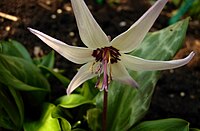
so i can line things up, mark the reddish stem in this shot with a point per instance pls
(105, 100)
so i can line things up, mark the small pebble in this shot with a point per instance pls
(48, 2)
(37, 51)
(68, 8)
(8, 28)
(122, 23)
(71, 34)
(59, 11)
(182, 94)
(53, 16)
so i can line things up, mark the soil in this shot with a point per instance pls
(177, 93)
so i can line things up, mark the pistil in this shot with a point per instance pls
(105, 76)
(106, 56)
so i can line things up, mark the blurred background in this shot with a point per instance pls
(177, 92)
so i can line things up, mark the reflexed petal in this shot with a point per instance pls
(139, 64)
(84, 73)
(128, 40)
(77, 55)
(90, 32)
(119, 73)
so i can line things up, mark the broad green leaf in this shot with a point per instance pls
(72, 101)
(46, 122)
(65, 125)
(5, 121)
(185, 6)
(171, 124)
(194, 129)
(19, 103)
(93, 118)
(65, 81)
(21, 74)
(73, 107)
(12, 113)
(59, 114)
(47, 60)
(194, 11)
(14, 48)
(126, 105)
(87, 90)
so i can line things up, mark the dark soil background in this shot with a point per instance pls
(177, 93)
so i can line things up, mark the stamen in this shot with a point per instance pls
(106, 56)
(98, 82)
(99, 69)
(92, 67)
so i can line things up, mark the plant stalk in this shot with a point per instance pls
(105, 103)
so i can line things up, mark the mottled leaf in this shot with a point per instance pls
(126, 105)
(93, 118)
(171, 124)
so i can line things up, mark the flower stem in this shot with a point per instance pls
(105, 100)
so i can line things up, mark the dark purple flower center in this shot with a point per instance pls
(105, 56)
(109, 54)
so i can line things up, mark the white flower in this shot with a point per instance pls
(106, 57)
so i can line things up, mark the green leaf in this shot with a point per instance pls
(94, 118)
(47, 60)
(194, 129)
(59, 114)
(194, 11)
(65, 81)
(65, 125)
(185, 6)
(87, 90)
(73, 107)
(126, 105)
(14, 48)
(12, 110)
(72, 101)
(21, 74)
(171, 124)
(5, 121)
(46, 122)
(19, 103)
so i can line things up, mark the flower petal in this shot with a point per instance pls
(90, 32)
(84, 73)
(119, 73)
(139, 64)
(129, 40)
(77, 55)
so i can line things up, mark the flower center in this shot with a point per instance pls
(109, 54)
(105, 56)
